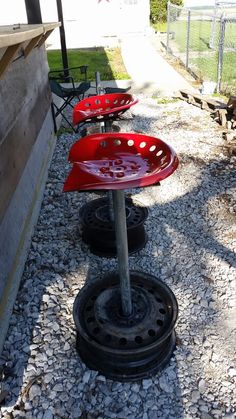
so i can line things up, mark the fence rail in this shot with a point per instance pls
(205, 42)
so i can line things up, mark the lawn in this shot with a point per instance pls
(200, 34)
(203, 60)
(207, 66)
(107, 61)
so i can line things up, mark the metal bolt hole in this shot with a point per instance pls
(103, 144)
(158, 300)
(117, 142)
(151, 332)
(90, 319)
(159, 322)
(123, 341)
(130, 143)
(162, 311)
(138, 339)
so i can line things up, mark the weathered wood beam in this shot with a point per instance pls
(8, 57)
(44, 37)
(32, 43)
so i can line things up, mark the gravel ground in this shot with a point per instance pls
(192, 237)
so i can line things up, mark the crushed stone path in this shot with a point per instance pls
(191, 247)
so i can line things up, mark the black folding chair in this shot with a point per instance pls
(57, 79)
(117, 89)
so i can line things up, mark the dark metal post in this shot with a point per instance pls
(213, 27)
(33, 11)
(63, 39)
(122, 251)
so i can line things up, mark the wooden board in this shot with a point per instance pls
(22, 118)
(201, 101)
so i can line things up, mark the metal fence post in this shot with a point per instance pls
(188, 39)
(168, 26)
(213, 27)
(220, 53)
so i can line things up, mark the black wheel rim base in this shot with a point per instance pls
(99, 233)
(126, 349)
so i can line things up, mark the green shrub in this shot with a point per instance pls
(159, 9)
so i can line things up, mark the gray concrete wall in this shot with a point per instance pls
(26, 145)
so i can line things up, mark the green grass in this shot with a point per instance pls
(107, 61)
(203, 60)
(200, 33)
(207, 66)
(160, 26)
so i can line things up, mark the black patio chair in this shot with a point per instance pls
(57, 80)
(117, 89)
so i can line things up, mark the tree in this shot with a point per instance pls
(159, 9)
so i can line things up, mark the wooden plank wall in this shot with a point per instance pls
(25, 100)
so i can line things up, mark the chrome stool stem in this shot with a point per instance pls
(122, 251)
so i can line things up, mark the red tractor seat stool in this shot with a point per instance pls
(96, 217)
(102, 107)
(125, 322)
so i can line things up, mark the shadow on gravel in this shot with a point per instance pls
(181, 243)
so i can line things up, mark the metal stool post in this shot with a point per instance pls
(122, 251)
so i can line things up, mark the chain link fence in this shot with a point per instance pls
(204, 40)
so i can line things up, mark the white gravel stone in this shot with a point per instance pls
(48, 414)
(34, 391)
(147, 384)
(202, 386)
(165, 385)
(195, 396)
(66, 347)
(86, 377)
(58, 387)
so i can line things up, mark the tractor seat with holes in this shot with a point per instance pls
(118, 161)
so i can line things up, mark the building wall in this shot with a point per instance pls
(199, 3)
(26, 144)
(87, 22)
